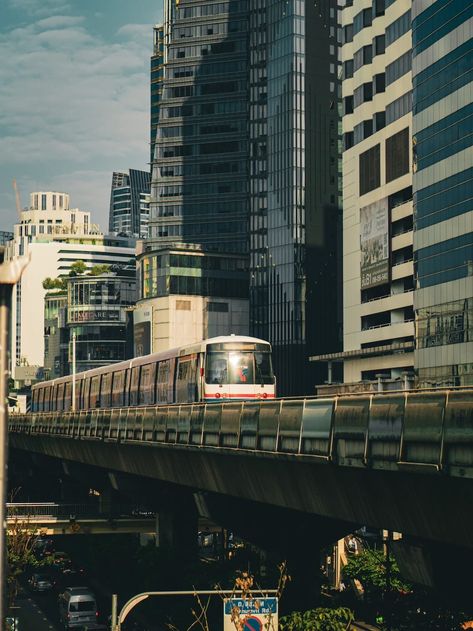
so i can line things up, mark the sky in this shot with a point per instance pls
(74, 98)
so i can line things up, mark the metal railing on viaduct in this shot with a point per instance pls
(428, 430)
(396, 460)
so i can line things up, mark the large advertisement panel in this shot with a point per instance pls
(374, 242)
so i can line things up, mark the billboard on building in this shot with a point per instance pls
(374, 244)
(142, 317)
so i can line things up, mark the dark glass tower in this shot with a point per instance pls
(157, 75)
(295, 217)
(200, 183)
(247, 161)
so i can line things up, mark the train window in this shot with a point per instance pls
(186, 383)
(147, 384)
(263, 368)
(79, 387)
(67, 396)
(85, 394)
(233, 367)
(118, 388)
(105, 393)
(135, 381)
(163, 381)
(94, 401)
(47, 398)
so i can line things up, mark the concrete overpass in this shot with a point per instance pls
(313, 468)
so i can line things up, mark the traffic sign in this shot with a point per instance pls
(250, 614)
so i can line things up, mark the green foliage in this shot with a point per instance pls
(55, 283)
(78, 268)
(320, 619)
(370, 568)
(98, 270)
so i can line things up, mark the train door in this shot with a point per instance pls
(186, 380)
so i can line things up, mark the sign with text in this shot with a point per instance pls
(374, 244)
(250, 614)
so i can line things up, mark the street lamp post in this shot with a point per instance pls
(10, 274)
(73, 404)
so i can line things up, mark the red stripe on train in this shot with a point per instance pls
(217, 395)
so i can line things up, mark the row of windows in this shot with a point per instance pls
(162, 262)
(205, 69)
(398, 28)
(401, 66)
(205, 109)
(447, 323)
(366, 128)
(446, 261)
(212, 9)
(212, 28)
(207, 168)
(217, 48)
(438, 20)
(207, 148)
(201, 209)
(195, 286)
(198, 229)
(365, 92)
(364, 56)
(452, 134)
(445, 199)
(399, 108)
(445, 76)
(222, 87)
(206, 188)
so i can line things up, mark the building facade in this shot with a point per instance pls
(378, 316)
(96, 315)
(443, 185)
(54, 237)
(294, 185)
(199, 179)
(129, 203)
(56, 335)
(187, 295)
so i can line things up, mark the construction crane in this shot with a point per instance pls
(17, 198)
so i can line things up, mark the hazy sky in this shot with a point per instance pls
(74, 97)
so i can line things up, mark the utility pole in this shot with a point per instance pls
(10, 274)
(73, 404)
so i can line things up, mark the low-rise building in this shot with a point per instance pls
(186, 295)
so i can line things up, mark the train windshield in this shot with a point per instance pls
(239, 367)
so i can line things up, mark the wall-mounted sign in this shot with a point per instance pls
(374, 244)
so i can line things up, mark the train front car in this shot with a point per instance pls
(238, 368)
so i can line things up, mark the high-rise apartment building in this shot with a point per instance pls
(199, 182)
(377, 191)
(129, 203)
(54, 236)
(294, 184)
(443, 187)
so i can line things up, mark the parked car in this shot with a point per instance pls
(77, 607)
(41, 582)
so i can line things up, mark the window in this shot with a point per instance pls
(397, 155)
(362, 19)
(379, 120)
(379, 45)
(369, 178)
(348, 69)
(399, 67)
(348, 104)
(398, 108)
(43, 202)
(400, 26)
(379, 83)
(348, 33)
(363, 94)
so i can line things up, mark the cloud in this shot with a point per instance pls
(72, 103)
(39, 7)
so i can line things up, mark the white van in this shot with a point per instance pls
(77, 607)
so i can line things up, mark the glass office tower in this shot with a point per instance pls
(129, 203)
(199, 182)
(443, 185)
(294, 185)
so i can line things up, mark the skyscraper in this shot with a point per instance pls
(377, 193)
(199, 183)
(294, 184)
(247, 161)
(129, 203)
(443, 185)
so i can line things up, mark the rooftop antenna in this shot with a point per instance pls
(17, 198)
